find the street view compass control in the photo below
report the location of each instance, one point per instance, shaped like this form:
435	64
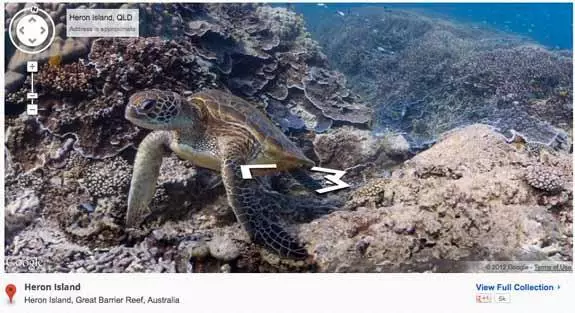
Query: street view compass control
31	30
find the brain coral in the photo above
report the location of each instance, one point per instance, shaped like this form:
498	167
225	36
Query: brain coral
543	178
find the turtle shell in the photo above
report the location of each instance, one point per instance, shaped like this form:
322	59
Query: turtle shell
228	108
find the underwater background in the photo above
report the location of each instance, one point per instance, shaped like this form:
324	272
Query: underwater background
430	68
550	24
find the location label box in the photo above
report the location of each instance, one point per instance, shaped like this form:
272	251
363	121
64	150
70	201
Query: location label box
102	23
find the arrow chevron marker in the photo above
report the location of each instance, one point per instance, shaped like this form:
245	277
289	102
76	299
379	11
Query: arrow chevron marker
246	174
335	178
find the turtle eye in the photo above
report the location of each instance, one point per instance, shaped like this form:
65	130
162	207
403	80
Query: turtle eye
147	105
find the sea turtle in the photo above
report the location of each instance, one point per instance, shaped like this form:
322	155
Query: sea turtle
219	131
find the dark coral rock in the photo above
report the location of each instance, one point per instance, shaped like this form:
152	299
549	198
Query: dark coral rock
112	178
282	115
100	130
131	64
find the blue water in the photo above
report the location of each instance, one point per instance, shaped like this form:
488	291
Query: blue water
550	24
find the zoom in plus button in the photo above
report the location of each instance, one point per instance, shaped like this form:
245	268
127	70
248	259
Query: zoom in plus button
32	30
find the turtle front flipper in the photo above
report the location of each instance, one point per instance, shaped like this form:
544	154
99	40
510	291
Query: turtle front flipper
256	212
145	174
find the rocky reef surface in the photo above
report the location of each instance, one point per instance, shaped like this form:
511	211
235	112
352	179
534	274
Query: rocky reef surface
470	197
475	195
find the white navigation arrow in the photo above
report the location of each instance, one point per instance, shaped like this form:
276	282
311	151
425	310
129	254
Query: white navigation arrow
335	178
246	174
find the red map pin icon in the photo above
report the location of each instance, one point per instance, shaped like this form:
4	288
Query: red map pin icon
10	291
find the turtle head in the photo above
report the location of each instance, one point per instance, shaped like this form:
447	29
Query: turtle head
156	109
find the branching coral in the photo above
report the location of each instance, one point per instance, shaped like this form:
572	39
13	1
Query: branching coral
67	79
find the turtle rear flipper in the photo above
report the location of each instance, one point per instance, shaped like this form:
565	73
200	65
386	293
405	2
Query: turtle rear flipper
305	179
254	209
304	209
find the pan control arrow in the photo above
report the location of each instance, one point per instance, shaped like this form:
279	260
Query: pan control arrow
334	177
246	174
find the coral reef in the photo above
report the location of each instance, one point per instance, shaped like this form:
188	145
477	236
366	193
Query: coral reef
464	199
426	75
257	50
21	212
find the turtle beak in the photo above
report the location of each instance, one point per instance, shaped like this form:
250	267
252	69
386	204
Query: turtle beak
131	113
137	118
